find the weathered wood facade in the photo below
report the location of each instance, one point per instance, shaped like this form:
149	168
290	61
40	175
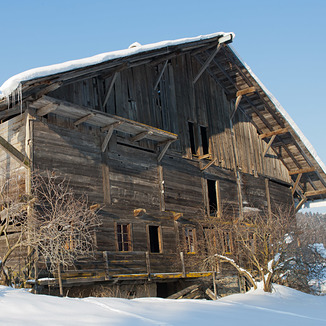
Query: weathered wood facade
153	137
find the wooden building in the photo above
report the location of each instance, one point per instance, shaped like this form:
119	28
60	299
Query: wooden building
159	135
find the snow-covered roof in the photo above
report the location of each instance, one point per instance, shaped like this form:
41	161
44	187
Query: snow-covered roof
12	83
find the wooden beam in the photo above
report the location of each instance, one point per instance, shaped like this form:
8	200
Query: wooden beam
206	64
275	132
160	75
163	151
14	153
301	171
315	193
269	145
84	118
296	183
109	91
237	102
208	165
109	135
246	91
47	89
302	201
46	109
108	127
140	136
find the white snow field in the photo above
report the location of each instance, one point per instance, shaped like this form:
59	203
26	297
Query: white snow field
284	306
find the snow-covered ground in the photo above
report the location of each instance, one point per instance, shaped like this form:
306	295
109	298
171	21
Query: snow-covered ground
283	307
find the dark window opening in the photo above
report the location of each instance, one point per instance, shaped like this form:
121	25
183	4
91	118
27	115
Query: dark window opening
154	238
123	237
204	140
212	197
192	137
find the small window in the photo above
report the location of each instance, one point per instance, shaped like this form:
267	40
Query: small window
154	238
191	128
190	240
213	197
227	242
123	237
204	140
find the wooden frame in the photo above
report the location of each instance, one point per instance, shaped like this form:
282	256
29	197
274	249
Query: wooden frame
190	238
123	242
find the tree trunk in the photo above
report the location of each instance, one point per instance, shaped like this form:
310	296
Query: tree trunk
60	280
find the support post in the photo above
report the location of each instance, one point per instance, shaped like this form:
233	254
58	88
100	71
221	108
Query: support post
148	265
206	64
269	145
183	264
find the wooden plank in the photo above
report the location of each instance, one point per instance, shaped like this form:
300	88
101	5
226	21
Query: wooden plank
141	135
84	119
46	109
315	193
183	292
301	171
269	145
163	151
208	165
268	197
296	183
210	294
109	91
183	264
160	75
108	136
273	133
206	64
246	91
303	200
15	153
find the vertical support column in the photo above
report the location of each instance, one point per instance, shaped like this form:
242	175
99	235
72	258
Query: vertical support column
161	187
236	167
183	264
268	197
28	176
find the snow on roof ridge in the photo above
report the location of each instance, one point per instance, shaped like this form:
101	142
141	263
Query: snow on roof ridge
287	117
12	83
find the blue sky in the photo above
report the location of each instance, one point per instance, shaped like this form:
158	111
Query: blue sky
282	41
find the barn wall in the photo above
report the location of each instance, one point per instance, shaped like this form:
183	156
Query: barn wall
175	102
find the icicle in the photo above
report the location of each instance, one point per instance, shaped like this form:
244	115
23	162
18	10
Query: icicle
8	101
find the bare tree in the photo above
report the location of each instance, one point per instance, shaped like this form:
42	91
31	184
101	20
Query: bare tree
61	227
253	244
13	228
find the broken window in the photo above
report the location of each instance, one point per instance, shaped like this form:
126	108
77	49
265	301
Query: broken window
204	140
190	239
154	238
123	237
213	197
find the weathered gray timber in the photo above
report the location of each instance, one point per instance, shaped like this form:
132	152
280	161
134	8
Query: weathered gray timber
159	140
